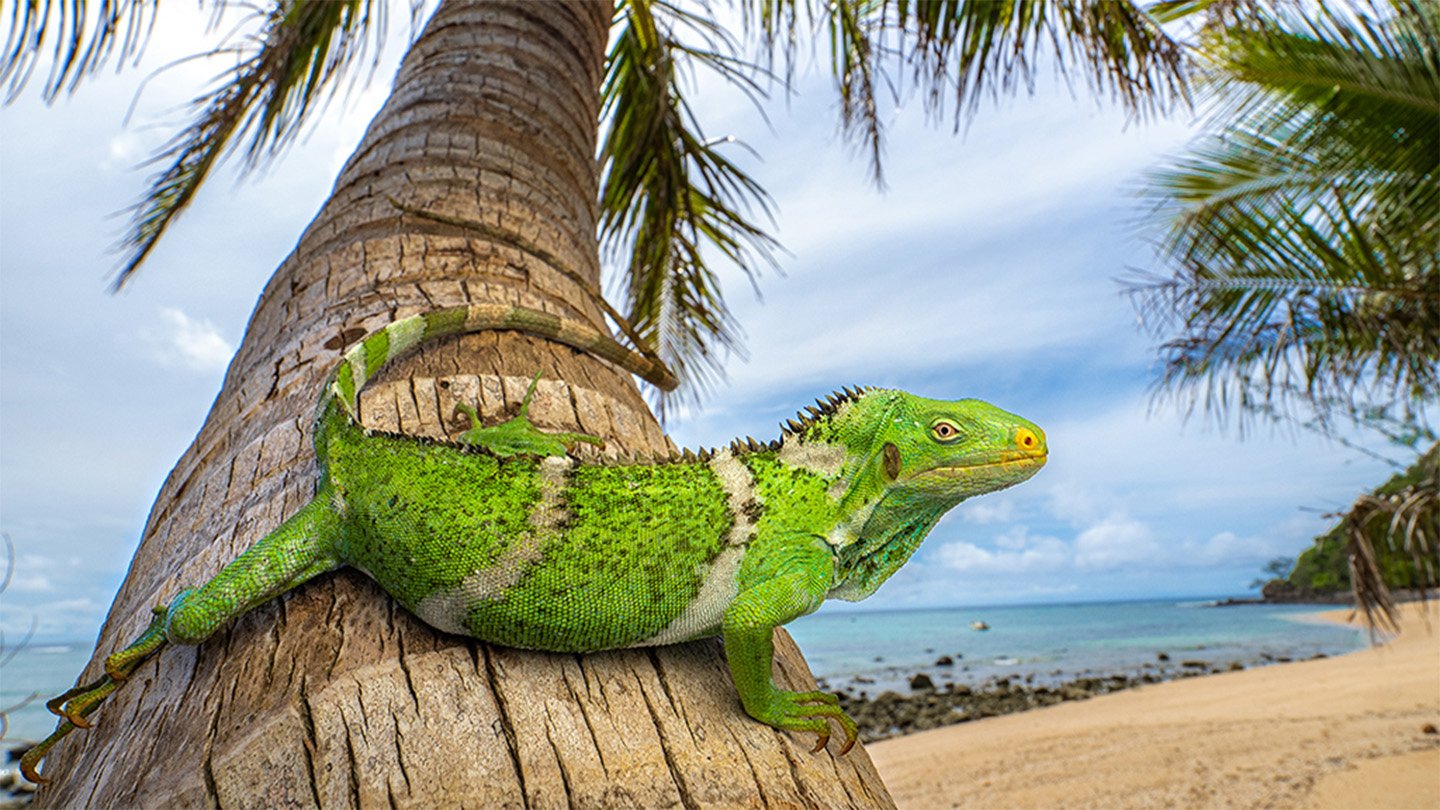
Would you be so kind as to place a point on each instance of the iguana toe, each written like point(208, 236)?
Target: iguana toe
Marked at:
point(811, 711)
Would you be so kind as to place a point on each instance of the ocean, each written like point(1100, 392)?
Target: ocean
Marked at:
point(867, 650)
point(873, 651)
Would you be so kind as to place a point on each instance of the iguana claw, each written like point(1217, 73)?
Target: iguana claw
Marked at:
point(75, 704)
point(813, 711)
point(825, 740)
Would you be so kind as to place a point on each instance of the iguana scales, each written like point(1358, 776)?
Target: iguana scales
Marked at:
point(509, 538)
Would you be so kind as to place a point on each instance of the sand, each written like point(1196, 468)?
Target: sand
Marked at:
point(1343, 732)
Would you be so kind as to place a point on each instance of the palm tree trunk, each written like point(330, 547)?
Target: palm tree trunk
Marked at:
point(333, 695)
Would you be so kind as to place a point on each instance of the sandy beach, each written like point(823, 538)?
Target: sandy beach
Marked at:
point(1344, 732)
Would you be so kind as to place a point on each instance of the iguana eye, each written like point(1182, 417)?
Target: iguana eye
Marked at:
point(944, 432)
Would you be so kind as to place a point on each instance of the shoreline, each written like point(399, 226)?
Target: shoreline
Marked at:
point(941, 695)
point(1354, 730)
point(930, 705)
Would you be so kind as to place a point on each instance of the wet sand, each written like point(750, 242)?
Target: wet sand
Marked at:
point(1344, 732)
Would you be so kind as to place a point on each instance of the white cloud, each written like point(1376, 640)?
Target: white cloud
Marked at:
point(1117, 541)
point(992, 511)
point(1020, 553)
point(126, 150)
point(30, 583)
point(1229, 548)
point(1077, 502)
point(27, 575)
point(195, 344)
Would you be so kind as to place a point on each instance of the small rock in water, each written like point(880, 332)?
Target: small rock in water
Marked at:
point(1236, 666)
point(1192, 664)
point(944, 661)
point(921, 681)
point(1162, 656)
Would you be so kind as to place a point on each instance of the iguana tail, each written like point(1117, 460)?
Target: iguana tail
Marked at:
point(364, 359)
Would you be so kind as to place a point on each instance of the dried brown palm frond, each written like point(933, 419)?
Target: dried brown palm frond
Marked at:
point(1406, 520)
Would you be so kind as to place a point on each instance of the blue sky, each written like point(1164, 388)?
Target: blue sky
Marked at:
point(986, 269)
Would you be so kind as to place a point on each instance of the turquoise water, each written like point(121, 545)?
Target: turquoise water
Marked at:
point(1057, 642)
point(1048, 642)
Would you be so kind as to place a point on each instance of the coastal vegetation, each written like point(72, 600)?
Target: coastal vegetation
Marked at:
point(1396, 521)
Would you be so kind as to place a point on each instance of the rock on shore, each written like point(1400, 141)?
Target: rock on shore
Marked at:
point(891, 714)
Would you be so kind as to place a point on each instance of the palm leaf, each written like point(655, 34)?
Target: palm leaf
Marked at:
point(82, 38)
point(291, 61)
point(1405, 520)
point(1302, 232)
point(670, 200)
point(962, 51)
point(290, 65)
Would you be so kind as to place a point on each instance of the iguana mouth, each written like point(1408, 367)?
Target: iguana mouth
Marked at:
point(1007, 460)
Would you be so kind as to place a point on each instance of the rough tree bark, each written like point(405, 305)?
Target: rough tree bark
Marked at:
point(333, 695)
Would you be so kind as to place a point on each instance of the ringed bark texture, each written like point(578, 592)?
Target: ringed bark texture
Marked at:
point(333, 695)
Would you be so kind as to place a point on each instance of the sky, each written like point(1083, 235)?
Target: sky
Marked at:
point(987, 268)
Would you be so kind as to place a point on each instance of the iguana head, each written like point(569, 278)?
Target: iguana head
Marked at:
point(908, 461)
point(947, 451)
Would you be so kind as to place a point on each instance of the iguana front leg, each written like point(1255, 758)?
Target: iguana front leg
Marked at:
point(771, 594)
point(519, 436)
point(296, 551)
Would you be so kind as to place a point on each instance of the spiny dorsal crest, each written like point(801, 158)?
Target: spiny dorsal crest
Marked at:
point(750, 444)
point(824, 407)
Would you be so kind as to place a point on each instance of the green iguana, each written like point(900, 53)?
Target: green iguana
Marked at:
point(508, 538)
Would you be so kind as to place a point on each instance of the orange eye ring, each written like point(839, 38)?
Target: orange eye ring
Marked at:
point(944, 432)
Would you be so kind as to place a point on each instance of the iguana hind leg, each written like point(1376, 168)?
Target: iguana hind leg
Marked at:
point(299, 549)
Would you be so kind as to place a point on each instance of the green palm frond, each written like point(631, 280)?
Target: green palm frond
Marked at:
point(673, 202)
point(288, 67)
point(1304, 231)
point(292, 60)
point(669, 199)
point(853, 62)
point(82, 37)
point(961, 51)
